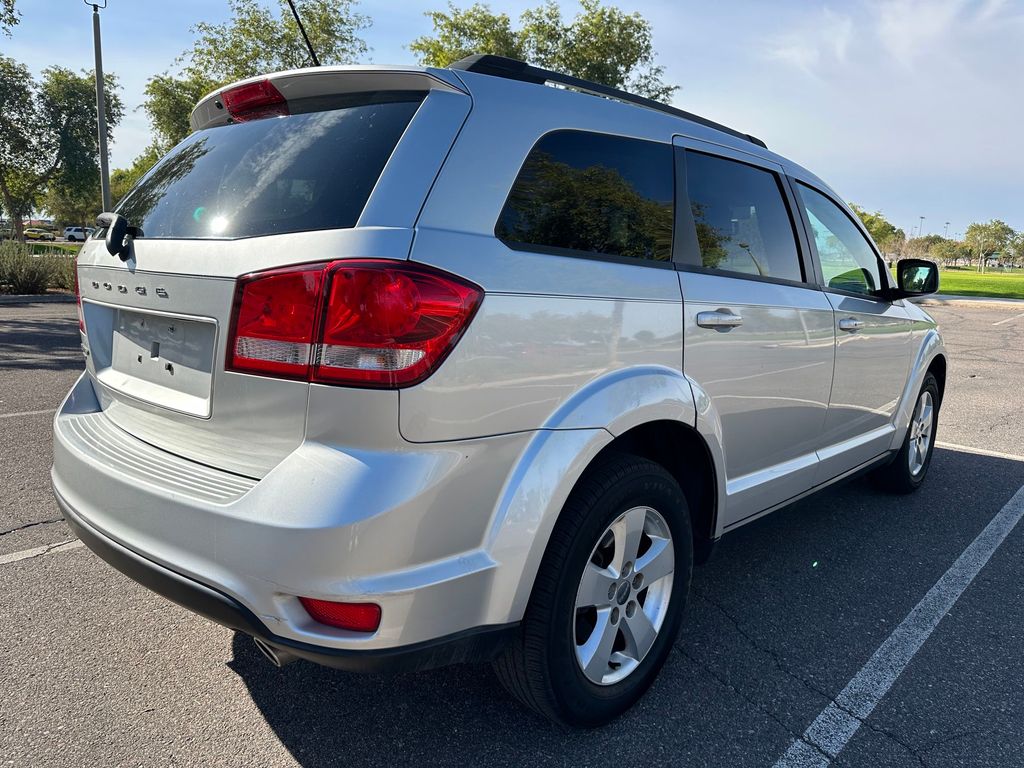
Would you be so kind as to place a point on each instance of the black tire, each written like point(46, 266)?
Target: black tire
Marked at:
point(896, 476)
point(540, 666)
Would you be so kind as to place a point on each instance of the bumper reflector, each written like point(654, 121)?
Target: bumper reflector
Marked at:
point(355, 617)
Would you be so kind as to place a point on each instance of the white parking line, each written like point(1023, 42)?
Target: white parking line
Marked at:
point(25, 554)
point(839, 721)
point(25, 413)
point(1009, 319)
point(979, 451)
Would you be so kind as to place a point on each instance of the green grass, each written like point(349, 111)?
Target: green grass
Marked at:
point(1003, 285)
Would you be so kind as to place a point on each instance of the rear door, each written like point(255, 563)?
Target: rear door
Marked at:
point(759, 332)
point(873, 336)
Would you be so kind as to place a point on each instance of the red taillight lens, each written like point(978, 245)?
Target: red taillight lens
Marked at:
point(366, 323)
point(275, 322)
point(390, 324)
point(253, 101)
point(356, 617)
point(78, 300)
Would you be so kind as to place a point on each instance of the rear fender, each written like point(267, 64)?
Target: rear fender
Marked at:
point(556, 458)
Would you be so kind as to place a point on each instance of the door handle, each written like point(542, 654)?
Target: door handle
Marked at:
point(720, 319)
point(850, 324)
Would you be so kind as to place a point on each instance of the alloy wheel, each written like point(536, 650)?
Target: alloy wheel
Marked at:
point(623, 596)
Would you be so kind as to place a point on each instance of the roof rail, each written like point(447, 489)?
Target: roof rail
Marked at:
point(513, 69)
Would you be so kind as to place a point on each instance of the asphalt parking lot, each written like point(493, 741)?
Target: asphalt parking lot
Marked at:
point(94, 670)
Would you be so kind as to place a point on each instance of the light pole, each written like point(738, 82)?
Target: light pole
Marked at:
point(101, 107)
point(920, 229)
point(945, 231)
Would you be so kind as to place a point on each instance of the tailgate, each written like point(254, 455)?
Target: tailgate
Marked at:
point(156, 345)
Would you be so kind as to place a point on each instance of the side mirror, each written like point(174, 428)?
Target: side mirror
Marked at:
point(916, 277)
point(118, 241)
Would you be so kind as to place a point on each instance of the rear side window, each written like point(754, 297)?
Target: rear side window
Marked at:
point(848, 263)
point(741, 218)
point(313, 170)
point(591, 193)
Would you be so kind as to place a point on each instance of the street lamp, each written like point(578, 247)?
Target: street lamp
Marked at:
point(920, 229)
point(101, 108)
point(945, 231)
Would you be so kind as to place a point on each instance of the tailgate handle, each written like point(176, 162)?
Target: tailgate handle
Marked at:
point(720, 319)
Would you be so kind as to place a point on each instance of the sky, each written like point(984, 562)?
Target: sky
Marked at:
point(910, 107)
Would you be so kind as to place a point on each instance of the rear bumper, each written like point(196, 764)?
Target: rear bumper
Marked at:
point(404, 528)
point(476, 645)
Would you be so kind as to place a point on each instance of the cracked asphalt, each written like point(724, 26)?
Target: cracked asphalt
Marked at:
point(97, 671)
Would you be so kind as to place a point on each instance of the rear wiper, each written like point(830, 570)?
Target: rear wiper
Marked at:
point(119, 234)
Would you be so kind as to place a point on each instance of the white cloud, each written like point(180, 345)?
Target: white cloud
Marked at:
point(823, 41)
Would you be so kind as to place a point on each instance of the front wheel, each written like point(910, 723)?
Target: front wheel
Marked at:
point(609, 596)
point(907, 471)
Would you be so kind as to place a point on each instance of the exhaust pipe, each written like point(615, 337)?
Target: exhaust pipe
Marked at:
point(276, 656)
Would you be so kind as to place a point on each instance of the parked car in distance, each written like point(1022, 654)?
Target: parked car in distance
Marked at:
point(475, 369)
point(77, 234)
point(35, 233)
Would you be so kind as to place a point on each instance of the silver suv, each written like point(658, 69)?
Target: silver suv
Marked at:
point(397, 367)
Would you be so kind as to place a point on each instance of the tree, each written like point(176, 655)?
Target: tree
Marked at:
point(8, 16)
point(48, 133)
point(123, 179)
point(169, 102)
point(946, 252)
point(1015, 250)
point(602, 43)
point(71, 206)
point(919, 247)
point(986, 239)
point(255, 40)
point(887, 237)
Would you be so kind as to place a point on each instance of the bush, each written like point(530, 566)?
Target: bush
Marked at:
point(62, 275)
point(21, 272)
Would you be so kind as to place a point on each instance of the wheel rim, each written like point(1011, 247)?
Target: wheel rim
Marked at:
point(623, 595)
point(921, 433)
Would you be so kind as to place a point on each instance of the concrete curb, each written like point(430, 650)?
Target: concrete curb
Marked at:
point(943, 300)
point(42, 298)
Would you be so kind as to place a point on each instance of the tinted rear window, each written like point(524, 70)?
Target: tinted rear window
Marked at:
point(593, 194)
point(301, 172)
point(742, 221)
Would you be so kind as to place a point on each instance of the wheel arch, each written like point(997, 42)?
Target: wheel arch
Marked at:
point(683, 452)
point(930, 358)
point(938, 367)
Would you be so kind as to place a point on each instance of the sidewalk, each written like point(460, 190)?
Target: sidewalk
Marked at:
point(939, 299)
point(36, 298)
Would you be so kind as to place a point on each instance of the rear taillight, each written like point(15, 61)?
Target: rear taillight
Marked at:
point(356, 617)
point(253, 101)
point(363, 323)
point(78, 301)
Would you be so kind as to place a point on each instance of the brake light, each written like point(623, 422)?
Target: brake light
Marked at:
point(253, 101)
point(356, 617)
point(274, 321)
point(371, 323)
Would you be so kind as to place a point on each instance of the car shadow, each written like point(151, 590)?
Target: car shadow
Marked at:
point(48, 344)
point(788, 608)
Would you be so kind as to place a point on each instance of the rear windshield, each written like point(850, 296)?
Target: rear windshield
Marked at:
point(313, 170)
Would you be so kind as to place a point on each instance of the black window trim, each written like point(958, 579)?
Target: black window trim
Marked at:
point(685, 227)
point(819, 272)
point(549, 250)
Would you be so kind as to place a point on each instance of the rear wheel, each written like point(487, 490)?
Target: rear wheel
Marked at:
point(609, 596)
point(907, 471)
